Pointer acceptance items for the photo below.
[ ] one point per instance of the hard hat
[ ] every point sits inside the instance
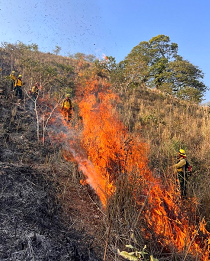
(68, 95)
(13, 72)
(182, 152)
(19, 76)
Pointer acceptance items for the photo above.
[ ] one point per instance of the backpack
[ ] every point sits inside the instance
(188, 168)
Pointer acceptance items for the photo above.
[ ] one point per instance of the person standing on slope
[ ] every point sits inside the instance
(35, 91)
(180, 168)
(12, 80)
(67, 107)
(18, 87)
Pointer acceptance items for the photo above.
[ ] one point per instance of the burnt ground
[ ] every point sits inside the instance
(45, 213)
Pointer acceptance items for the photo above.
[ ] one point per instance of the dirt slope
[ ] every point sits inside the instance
(44, 214)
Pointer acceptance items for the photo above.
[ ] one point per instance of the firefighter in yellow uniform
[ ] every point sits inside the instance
(12, 80)
(67, 107)
(18, 87)
(35, 91)
(179, 168)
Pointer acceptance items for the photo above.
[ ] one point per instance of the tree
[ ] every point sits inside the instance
(157, 64)
(184, 80)
(57, 50)
(106, 67)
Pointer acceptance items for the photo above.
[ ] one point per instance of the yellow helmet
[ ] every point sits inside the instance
(68, 95)
(182, 152)
(19, 76)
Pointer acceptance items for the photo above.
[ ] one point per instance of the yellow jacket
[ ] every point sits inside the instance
(12, 77)
(18, 82)
(180, 165)
(67, 104)
(34, 89)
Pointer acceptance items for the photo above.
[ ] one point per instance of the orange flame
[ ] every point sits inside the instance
(109, 150)
(112, 150)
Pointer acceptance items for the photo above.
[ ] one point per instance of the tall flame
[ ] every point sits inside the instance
(109, 150)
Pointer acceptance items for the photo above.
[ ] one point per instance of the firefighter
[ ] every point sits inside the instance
(35, 91)
(67, 107)
(180, 170)
(12, 80)
(18, 87)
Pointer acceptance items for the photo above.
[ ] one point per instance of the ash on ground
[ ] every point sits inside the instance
(32, 225)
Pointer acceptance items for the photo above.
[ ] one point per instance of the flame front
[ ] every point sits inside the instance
(110, 151)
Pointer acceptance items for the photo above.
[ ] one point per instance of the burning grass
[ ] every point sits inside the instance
(115, 164)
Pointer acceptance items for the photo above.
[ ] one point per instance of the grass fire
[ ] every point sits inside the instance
(115, 164)
(84, 181)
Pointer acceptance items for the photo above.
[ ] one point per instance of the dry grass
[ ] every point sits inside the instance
(168, 124)
(165, 124)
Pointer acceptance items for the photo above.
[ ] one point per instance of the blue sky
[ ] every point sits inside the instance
(110, 27)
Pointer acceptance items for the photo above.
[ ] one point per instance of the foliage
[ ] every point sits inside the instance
(52, 72)
(157, 63)
(57, 50)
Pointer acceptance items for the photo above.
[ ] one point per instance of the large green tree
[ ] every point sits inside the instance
(156, 63)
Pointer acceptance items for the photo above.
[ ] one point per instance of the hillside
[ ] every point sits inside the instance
(42, 216)
(84, 190)
(47, 214)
